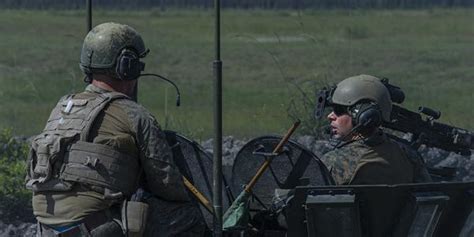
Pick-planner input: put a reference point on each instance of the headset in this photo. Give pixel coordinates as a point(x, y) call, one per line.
point(128, 65)
point(365, 116)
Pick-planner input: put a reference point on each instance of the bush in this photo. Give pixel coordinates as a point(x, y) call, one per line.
point(302, 107)
point(14, 198)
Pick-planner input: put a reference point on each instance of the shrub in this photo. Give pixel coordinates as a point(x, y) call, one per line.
point(14, 198)
point(13, 153)
point(302, 106)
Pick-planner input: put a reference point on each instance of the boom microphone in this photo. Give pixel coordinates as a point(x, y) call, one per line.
point(178, 95)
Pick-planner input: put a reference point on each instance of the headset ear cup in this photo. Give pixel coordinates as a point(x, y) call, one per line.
point(129, 66)
point(368, 117)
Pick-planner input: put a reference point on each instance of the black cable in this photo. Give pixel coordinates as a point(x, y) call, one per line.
point(178, 95)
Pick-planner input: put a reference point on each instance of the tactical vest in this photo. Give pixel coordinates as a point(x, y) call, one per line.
point(61, 155)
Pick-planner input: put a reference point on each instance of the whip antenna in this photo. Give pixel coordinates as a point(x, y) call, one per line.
point(217, 159)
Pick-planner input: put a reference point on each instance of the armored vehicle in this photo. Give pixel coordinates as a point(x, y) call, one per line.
point(295, 197)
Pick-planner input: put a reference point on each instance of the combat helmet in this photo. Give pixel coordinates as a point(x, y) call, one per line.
point(105, 43)
point(362, 88)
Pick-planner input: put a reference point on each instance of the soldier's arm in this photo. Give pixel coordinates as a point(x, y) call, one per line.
point(340, 164)
point(162, 177)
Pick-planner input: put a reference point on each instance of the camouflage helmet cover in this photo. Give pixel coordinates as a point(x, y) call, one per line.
point(359, 88)
point(105, 42)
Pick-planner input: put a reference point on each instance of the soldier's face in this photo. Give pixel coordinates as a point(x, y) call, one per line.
point(341, 124)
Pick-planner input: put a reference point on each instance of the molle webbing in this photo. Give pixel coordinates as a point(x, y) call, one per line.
point(76, 116)
point(62, 151)
point(100, 165)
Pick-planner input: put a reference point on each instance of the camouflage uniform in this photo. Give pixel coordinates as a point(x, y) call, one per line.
point(128, 128)
point(374, 160)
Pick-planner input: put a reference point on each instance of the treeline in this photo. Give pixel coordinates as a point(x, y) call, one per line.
point(243, 4)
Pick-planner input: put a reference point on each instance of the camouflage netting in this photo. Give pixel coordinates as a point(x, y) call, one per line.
point(231, 146)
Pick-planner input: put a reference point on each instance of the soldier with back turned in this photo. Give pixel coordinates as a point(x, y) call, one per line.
point(102, 157)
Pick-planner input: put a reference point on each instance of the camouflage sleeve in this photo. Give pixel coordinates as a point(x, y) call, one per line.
point(162, 177)
point(341, 163)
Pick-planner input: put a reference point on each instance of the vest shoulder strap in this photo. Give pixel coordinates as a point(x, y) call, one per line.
point(102, 101)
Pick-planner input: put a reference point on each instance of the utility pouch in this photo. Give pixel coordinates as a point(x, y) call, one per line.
point(134, 215)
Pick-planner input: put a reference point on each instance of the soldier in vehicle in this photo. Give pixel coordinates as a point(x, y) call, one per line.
point(364, 154)
point(99, 147)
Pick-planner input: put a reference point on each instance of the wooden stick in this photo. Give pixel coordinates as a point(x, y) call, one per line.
point(200, 197)
point(267, 162)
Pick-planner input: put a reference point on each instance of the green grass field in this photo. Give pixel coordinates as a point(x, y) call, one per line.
point(429, 53)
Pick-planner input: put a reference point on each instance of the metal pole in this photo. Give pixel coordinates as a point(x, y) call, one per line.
point(217, 161)
point(89, 14)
